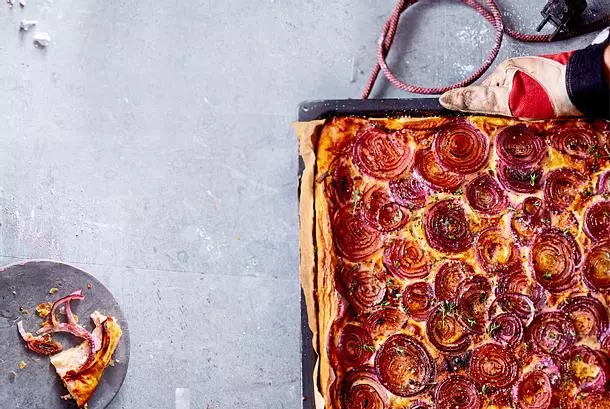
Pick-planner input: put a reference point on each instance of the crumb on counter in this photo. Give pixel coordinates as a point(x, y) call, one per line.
point(22, 364)
point(53, 290)
point(14, 292)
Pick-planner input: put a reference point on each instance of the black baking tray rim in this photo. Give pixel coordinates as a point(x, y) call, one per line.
point(370, 108)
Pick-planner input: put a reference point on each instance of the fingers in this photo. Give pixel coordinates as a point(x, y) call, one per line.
point(477, 98)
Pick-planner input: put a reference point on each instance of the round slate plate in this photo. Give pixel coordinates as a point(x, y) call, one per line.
point(37, 386)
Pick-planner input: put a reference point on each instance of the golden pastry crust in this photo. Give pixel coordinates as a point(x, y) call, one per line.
point(333, 311)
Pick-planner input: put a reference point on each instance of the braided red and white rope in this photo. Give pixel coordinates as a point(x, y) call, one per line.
point(491, 14)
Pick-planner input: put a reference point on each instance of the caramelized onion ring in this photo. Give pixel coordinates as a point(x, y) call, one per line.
point(457, 392)
point(493, 365)
point(433, 175)
point(485, 195)
point(534, 391)
point(561, 188)
point(519, 304)
point(519, 147)
point(381, 154)
point(406, 259)
point(574, 140)
point(596, 270)
point(461, 148)
point(597, 221)
point(409, 191)
point(448, 278)
point(588, 314)
point(554, 257)
point(361, 390)
point(446, 227)
point(445, 332)
point(529, 219)
point(589, 369)
point(496, 253)
point(520, 180)
point(404, 366)
point(355, 346)
point(507, 329)
point(379, 211)
point(552, 333)
point(385, 321)
point(364, 290)
point(418, 300)
point(603, 183)
point(354, 239)
point(343, 183)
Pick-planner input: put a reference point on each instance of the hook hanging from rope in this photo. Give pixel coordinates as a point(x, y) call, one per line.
point(492, 14)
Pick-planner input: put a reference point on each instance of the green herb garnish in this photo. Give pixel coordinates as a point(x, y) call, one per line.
point(485, 389)
point(493, 328)
point(548, 275)
point(368, 348)
point(356, 196)
point(447, 308)
point(533, 178)
point(458, 192)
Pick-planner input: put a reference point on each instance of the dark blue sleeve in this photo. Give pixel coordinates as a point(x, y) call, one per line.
point(587, 85)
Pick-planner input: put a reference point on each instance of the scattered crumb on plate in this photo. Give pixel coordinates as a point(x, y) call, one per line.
point(89, 286)
point(53, 290)
point(22, 364)
point(44, 309)
point(23, 310)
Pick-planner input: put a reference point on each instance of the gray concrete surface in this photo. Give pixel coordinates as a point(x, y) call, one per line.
point(150, 145)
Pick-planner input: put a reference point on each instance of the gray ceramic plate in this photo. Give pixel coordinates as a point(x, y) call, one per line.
point(37, 386)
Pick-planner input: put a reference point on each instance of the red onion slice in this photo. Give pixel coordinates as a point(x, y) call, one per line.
point(494, 366)
point(485, 195)
point(385, 322)
point(554, 257)
point(457, 392)
point(520, 180)
point(603, 183)
point(506, 329)
point(574, 140)
point(552, 333)
point(597, 221)
point(449, 276)
point(473, 300)
point(589, 369)
point(461, 148)
point(496, 253)
point(529, 219)
point(381, 154)
point(354, 239)
point(365, 290)
point(446, 227)
point(534, 391)
point(561, 187)
point(519, 304)
point(445, 332)
point(43, 344)
point(520, 283)
point(596, 270)
point(519, 147)
point(589, 315)
point(361, 390)
point(433, 175)
point(409, 191)
point(355, 346)
point(418, 300)
point(406, 259)
point(343, 184)
point(404, 366)
point(379, 211)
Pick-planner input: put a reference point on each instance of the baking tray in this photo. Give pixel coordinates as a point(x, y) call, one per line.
point(370, 108)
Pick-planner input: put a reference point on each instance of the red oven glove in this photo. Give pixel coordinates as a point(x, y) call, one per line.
point(567, 84)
